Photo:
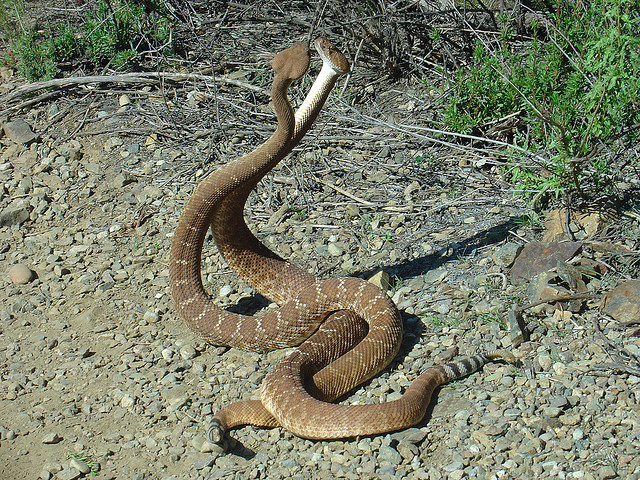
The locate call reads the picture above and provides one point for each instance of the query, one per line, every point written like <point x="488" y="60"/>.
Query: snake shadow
<point x="407" y="269"/>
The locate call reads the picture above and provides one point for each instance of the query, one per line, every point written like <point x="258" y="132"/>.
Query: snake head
<point x="332" y="56"/>
<point x="292" y="63"/>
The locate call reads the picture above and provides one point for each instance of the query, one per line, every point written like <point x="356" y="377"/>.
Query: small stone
<point x="412" y="435"/>
<point x="127" y="401"/>
<point x="167" y="354"/>
<point x="438" y="275"/>
<point x="7" y="434"/>
<point x="226" y="290"/>
<point x="203" y="462"/>
<point x="351" y="210"/>
<point x="454" y="466"/>
<point x="68" y="474"/>
<point x="407" y="450"/>
<point x="79" y="465"/>
<point x="335" y="250"/>
<point x="109" y="145"/>
<point x="623" y="302"/>
<point x="20" y="274"/>
<point x="19" y="131"/>
<point x="447" y="355"/>
<point x="545" y="362"/>
<point x="607" y="472"/>
<point x="201" y="444"/>
<point x="381" y="280"/>
<point x="51" y="438"/>
<point x="552" y="412"/>
<point x="506" y="254"/>
<point x="559" y="401"/>
<point x="123" y="179"/>
<point x="188" y="352"/>
<point x="150" y="316"/>
<point x="15" y="215"/>
<point x="570" y="420"/>
<point x="389" y="456"/>
<point x="124" y="100"/>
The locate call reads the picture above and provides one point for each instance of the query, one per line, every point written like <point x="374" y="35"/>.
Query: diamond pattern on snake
<point x="347" y="329"/>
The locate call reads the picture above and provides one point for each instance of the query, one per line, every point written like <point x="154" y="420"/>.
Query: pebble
<point x="15" y="214"/>
<point x="188" y="352"/>
<point x="68" y="474"/>
<point x="19" y="131"/>
<point x="389" y="455"/>
<point x="20" y="274"/>
<point x="51" y="438"/>
<point x="545" y="362"/>
<point x="225" y="291"/>
<point x="79" y="465"/>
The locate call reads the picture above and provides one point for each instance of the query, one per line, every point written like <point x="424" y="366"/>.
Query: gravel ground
<point x="97" y="373"/>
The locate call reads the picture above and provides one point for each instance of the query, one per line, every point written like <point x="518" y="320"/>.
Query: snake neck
<point x="242" y="251"/>
<point x="218" y="200"/>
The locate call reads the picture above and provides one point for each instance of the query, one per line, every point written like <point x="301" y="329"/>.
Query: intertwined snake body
<point x="348" y="329"/>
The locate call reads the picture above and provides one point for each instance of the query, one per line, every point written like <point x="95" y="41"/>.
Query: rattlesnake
<point x="357" y="327"/>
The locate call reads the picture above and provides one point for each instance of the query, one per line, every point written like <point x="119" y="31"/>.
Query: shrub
<point x="576" y="86"/>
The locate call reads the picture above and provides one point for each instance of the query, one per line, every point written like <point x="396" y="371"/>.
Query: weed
<point x="439" y="321"/>
<point x="578" y="92"/>
<point x="530" y="219"/>
<point x="366" y="220"/>
<point x="433" y="319"/>
<point x="424" y="160"/>
<point x="301" y="213"/>
<point x="33" y="57"/>
<point x="492" y="317"/>
<point x="395" y="283"/>
<point x="115" y="33"/>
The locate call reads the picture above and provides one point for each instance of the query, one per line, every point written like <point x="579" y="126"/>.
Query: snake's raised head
<point x="332" y="56"/>
<point x="293" y="62"/>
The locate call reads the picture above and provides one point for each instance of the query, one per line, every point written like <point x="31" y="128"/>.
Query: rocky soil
<point x="98" y="375"/>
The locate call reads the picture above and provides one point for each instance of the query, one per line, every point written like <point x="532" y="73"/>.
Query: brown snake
<point x="357" y="327"/>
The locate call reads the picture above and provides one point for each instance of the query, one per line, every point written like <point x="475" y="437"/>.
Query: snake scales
<point x="348" y="329"/>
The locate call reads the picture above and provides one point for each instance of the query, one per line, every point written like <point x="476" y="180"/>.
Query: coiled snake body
<point x="348" y="329"/>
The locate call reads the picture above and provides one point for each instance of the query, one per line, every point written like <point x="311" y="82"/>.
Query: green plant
<point x="33" y="57"/>
<point x="440" y="320"/>
<point x="578" y="92"/>
<point x="6" y="14"/>
<point x="424" y="160"/>
<point x="300" y="212"/>
<point x="112" y="31"/>
<point x="486" y="318"/>
<point x="529" y="219"/>
<point x="115" y="33"/>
